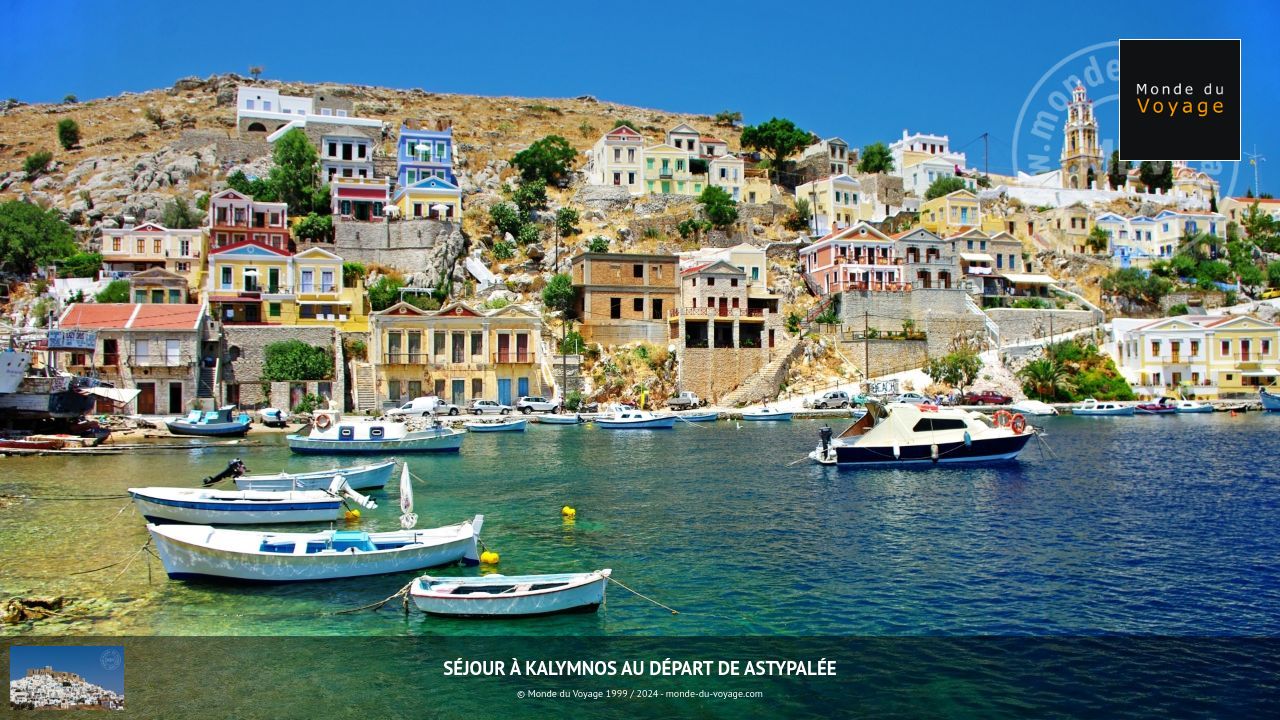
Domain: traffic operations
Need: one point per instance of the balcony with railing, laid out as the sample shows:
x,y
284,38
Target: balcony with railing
x,y
1249,359
162,358
513,357
404,358
718,312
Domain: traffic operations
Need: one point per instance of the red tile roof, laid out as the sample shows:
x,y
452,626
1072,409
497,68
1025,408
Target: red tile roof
x,y
131,316
1264,201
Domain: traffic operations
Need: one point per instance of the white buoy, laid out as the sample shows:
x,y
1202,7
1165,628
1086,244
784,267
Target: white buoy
x,y
897,451
933,450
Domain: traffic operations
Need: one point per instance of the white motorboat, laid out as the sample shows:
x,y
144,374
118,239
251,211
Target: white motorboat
x,y
553,419
1091,407
1033,407
202,552
330,434
487,426
623,418
510,595
359,477
767,413
1192,406
205,506
909,434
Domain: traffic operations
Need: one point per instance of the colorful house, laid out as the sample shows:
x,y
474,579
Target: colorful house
x,y
833,203
150,245
236,218
1236,208
252,284
458,353
245,275
423,154
434,198
913,148
624,297
345,153
668,171
1200,355
727,171
950,214
617,159
857,258
159,286
360,199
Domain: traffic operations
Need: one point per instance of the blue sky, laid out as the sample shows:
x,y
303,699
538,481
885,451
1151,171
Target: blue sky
x,y
861,71
83,660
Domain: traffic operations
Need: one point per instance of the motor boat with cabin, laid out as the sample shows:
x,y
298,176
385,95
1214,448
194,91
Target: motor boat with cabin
x,y
331,434
627,418
909,434
223,422
1091,408
1192,406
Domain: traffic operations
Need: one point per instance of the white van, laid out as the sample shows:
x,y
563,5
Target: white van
x,y
424,407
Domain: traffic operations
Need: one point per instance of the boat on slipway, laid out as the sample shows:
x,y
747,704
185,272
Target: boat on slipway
x,y
205,506
1034,407
202,552
332,435
1093,408
909,434
510,595
223,422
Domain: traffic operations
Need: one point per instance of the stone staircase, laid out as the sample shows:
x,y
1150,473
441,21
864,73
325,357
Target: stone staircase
x,y
365,393
208,382
763,385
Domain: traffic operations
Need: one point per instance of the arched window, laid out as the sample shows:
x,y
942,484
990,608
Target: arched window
x,y
257,127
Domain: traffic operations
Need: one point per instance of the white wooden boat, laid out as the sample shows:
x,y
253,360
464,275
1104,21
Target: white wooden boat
x,y
359,477
330,434
1270,401
552,419
635,420
510,595
484,426
700,416
202,552
909,434
1192,406
1092,407
1033,407
767,413
205,506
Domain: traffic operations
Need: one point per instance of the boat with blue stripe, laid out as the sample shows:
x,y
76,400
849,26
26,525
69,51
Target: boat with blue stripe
x,y
222,422
203,506
331,435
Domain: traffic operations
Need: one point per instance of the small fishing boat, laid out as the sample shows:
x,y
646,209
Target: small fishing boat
x,y
359,477
222,422
1270,401
1163,406
1192,406
486,426
561,419
204,506
510,595
700,416
767,413
202,552
1034,407
1091,407
909,434
274,417
330,434
624,419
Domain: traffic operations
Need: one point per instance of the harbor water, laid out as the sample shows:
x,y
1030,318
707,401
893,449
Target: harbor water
x,y
1160,526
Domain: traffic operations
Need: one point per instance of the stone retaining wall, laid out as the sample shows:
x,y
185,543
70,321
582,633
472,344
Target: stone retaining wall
x,y
886,356
1018,324
245,356
713,372
430,246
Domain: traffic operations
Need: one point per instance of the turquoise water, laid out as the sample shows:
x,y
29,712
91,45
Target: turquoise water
x,y
1145,525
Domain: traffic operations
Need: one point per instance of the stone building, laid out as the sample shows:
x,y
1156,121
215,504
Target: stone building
x,y
244,356
622,297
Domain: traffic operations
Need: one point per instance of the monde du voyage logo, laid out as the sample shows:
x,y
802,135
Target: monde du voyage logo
x,y
1180,99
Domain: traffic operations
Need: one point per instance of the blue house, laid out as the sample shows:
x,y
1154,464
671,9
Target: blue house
x,y
423,154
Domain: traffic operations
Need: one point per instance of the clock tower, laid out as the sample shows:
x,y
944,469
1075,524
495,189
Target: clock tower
x,y
1082,162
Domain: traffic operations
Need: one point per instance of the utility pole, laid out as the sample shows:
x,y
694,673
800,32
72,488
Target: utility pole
x,y
866,344
986,155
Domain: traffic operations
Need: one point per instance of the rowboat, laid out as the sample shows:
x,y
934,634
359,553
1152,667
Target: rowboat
x,y
204,506
482,426
332,435
909,434
767,413
1270,401
700,416
359,477
510,595
202,552
273,417
1092,407
214,423
561,419
636,420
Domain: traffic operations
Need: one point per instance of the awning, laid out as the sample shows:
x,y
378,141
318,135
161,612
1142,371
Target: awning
x,y
1029,278
232,299
119,395
439,207
324,302
1269,372
976,257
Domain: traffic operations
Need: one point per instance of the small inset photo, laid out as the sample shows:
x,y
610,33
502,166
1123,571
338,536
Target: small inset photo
x,y
66,677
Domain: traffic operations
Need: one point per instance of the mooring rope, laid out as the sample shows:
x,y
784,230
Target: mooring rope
x,y
63,497
646,597
104,567
402,592
690,422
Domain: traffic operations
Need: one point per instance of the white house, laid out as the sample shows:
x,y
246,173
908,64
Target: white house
x,y
727,171
617,158
833,201
914,147
918,177
834,150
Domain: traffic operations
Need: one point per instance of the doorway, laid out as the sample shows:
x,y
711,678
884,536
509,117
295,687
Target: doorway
x,y
146,398
175,398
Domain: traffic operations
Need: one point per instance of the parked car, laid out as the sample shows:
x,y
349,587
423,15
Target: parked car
x,y
833,399
985,397
685,400
1271,294
529,404
914,398
483,407
425,406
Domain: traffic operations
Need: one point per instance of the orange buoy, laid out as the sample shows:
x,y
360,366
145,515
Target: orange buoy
x,y
1018,424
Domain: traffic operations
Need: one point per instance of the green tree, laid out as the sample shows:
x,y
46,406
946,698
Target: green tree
x,y
799,218
506,218
314,228
719,206
1156,175
352,273
70,99
36,163
1176,310
942,186
586,129
31,237
179,215
728,118
290,360
778,138
875,158
1273,273
958,368
255,71
116,291
1046,379
598,244
547,159
502,250
692,228
68,133
294,175
1117,171
202,202
626,123
154,115
529,196
567,222
384,292
259,189
1261,229
558,294
529,233
80,265
1136,285
1098,239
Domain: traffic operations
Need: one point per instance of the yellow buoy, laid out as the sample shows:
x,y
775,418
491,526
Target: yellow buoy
x,y
489,557
352,515
568,512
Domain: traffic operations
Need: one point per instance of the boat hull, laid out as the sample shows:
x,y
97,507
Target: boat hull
x,y
700,417
215,512
1270,401
1112,412
1164,410
777,417
184,560
584,598
988,450
436,443
561,420
234,429
363,477
662,423
512,426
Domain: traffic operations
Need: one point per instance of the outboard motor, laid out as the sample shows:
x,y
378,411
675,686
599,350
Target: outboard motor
x,y
234,469
824,436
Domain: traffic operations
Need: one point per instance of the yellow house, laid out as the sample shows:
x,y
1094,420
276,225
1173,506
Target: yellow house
x,y
319,296
833,203
1201,355
458,353
253,283
434,198
151,245
951,214
667,172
